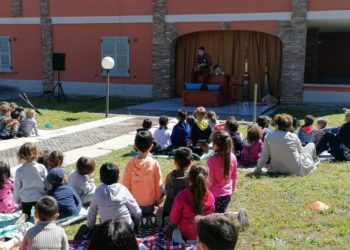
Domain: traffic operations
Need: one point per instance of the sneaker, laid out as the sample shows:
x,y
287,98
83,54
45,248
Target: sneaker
x,y
243,218
22,219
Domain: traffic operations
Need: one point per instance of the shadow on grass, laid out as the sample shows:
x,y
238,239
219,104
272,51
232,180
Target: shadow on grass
x,y
71,119
77,105
270,175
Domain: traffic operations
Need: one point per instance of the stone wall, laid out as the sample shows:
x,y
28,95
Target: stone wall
x,y
16,8
293,36
312,53
46,46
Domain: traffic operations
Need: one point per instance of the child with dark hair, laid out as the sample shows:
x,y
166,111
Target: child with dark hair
x,y
112,200
44,158
232,128
201,131
55,159
191,120
307,132
181,131
68,200
113,235
29,179
252,146
5,114
146,125
162,134
82,180
295,125
7,202
192,201
176,180
45,234
143,171
264,123
222,170
216,231
11,129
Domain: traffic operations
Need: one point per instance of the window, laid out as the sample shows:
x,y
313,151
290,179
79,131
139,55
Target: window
x,y
118,49
5,54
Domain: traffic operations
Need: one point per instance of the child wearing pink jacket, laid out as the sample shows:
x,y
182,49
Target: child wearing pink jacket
x,y
252,147
222,170
7,202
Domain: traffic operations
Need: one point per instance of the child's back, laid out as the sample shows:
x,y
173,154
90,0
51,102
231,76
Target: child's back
x,y
180,134
28,127
144,180
162,137
7,203
251,152
29,182
113,202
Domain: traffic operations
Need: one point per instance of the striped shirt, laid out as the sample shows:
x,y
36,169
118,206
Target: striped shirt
x,y
45,235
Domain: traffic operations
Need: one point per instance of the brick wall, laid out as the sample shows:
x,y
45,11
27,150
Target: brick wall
x,y
312,51
293,35
46,46
16,8
163,52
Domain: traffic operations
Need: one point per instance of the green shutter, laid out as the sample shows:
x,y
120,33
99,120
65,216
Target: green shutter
x,y
5,54
118,49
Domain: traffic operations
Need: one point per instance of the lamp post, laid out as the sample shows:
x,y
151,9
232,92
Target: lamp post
x,y
107,64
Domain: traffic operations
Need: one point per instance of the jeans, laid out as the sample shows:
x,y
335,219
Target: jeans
x,y
331,143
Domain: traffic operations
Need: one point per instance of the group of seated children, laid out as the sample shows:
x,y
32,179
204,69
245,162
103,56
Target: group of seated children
x,y
13,124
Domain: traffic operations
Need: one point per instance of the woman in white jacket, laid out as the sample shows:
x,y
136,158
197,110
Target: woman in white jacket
x,y
286,152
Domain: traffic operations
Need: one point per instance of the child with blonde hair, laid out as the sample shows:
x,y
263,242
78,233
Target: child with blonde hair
x,y
201,131
29,179
29,126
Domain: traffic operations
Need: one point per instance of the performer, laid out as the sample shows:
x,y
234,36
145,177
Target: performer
x,y
202,67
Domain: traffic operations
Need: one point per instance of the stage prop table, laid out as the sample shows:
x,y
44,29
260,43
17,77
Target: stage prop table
x,y
212,98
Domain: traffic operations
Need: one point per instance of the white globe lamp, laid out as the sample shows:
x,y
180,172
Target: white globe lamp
x,y
107,64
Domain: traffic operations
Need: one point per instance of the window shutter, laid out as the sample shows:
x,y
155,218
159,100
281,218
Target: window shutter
x,y
5,54
118,49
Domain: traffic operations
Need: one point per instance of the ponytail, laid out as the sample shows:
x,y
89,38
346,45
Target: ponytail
x,y
225,148
198,186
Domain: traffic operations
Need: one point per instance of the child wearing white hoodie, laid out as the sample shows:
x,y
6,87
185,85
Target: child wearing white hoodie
x,y
112,200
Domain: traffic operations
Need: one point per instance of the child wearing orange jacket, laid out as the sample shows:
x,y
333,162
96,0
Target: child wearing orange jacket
x,y
142,175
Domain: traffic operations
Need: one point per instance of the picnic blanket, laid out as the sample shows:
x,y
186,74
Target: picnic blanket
x,y
11,231
155,242
74,218
9,219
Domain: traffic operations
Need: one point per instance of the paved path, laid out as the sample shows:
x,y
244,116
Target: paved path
x,y
80,139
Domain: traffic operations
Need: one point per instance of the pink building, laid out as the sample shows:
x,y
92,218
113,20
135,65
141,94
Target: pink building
x,y
303,44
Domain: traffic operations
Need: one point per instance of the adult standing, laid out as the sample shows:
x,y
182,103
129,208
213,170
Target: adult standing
x,y
202,67
285,150
337,144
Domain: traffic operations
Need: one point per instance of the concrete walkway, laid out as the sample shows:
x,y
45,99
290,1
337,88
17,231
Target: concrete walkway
x,y
91,139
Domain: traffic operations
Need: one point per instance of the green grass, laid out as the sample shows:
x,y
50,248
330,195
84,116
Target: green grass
x,y
279,207
73,112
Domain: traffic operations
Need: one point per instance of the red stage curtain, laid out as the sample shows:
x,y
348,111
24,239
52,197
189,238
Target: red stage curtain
x,y
231,49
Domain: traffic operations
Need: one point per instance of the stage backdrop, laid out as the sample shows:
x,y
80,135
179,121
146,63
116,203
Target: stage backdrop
x,y
230,50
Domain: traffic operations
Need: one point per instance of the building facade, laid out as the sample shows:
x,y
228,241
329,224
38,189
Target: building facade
x,y
143,36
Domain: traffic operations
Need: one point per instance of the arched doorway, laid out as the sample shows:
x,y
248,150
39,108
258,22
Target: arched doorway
x,y
231,50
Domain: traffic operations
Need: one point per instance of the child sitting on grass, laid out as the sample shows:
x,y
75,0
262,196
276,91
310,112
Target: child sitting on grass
x,y
264,123
29,179
146,125
112,200
212,119
55,159
252,146
216,231
45,234
232,128
114,235
7,202
201,131
162,134
29,126
176,180
307,132
142,175
192,201
222,170
321,125
68,201
82,180
180,135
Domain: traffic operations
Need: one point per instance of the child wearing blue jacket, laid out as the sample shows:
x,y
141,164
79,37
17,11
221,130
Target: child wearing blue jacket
x,y
180,135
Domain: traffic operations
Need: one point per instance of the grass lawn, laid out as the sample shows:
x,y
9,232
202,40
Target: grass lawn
x,y
73,112
279,207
